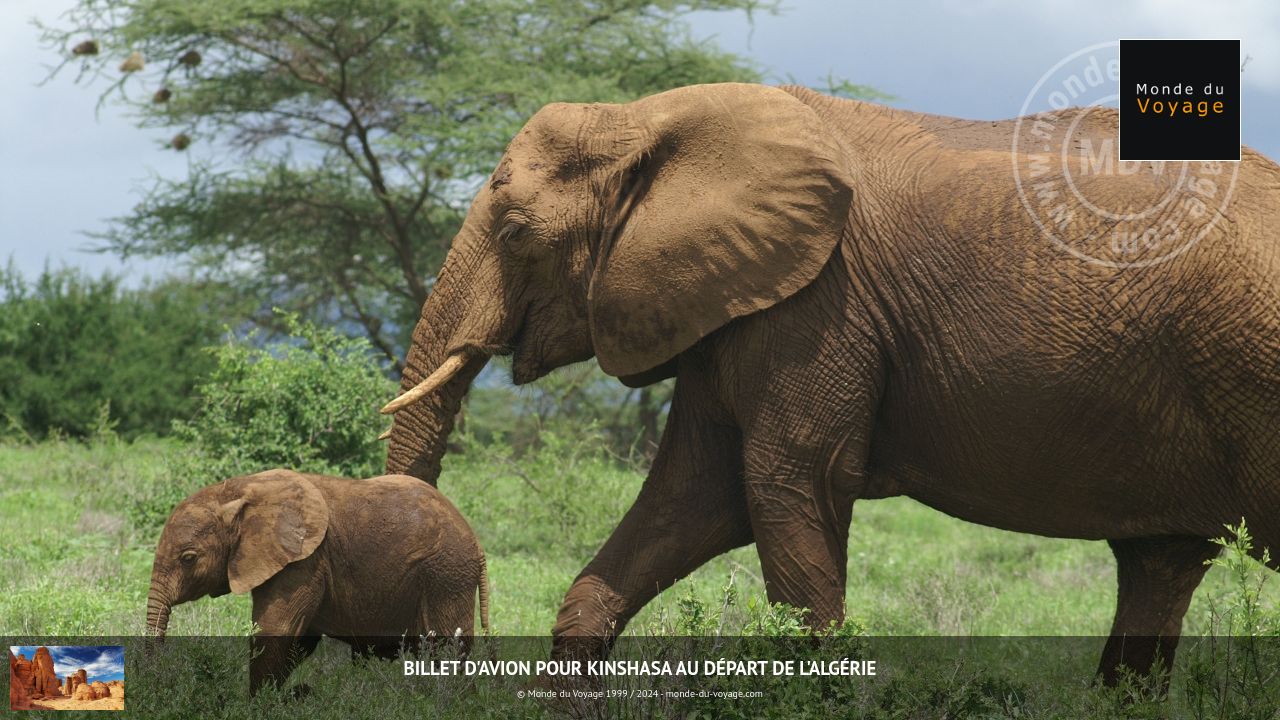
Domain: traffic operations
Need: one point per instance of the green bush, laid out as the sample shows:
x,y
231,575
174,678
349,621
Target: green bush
x,y
71,345
309,403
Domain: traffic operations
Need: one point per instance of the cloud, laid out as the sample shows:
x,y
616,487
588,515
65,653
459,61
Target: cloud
x,y
1255,22
100,662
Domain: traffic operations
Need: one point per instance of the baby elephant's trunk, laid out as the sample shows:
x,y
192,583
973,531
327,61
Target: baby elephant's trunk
x,y
157,614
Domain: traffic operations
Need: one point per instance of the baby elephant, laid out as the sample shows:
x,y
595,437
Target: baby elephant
x,y
364,561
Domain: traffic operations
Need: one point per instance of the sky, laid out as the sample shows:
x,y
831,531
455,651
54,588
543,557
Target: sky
x,y
63,172
101,663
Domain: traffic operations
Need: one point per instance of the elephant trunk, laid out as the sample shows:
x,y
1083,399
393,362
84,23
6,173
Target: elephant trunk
x,y
158,608
451,344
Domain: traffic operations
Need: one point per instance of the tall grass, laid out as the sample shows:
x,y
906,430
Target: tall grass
x,y
75,560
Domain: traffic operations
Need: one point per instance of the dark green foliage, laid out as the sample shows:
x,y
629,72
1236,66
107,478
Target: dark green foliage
x,y
73,346
187,678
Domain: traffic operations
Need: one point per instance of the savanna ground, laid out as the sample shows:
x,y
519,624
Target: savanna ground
x,y
78,524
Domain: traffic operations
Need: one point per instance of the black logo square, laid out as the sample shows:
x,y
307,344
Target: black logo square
x,y
1179,99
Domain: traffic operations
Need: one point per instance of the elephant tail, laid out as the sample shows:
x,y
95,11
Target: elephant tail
x,y
483,592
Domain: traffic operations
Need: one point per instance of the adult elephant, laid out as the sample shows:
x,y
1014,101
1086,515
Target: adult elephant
x,y
855,304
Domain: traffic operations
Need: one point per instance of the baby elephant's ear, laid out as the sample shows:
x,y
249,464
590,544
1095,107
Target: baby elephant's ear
x,y
276,517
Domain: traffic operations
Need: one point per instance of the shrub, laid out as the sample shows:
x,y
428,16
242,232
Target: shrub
x,y
309,403
71,345
1232,669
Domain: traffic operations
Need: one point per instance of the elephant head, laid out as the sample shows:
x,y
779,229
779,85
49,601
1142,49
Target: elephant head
x,y
627,232
232,537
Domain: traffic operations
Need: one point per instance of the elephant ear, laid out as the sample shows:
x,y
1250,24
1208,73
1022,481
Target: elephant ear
x,y
276,517
733,201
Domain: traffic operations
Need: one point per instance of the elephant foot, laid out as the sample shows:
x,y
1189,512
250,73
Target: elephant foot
x,y
571,655
581,648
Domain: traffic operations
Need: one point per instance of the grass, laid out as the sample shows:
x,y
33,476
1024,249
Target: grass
x,y
77,532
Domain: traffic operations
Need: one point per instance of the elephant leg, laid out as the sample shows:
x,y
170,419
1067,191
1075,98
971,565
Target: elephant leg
x,y
801,529
1156,578
276,657
690,509
283,609
365,646
804,468
388,651
451,614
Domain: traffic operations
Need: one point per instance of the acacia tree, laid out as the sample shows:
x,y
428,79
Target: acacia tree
x,y
336,142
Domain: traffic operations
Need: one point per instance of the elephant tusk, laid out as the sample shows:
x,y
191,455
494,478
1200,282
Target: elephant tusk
x,y
386,433
447,370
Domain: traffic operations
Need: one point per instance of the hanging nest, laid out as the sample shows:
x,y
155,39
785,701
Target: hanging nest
x,y
88,47
180,142
133,63
162,96
190,58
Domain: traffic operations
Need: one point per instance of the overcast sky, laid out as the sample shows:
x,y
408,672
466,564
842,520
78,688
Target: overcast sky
x,y
63,172
101,663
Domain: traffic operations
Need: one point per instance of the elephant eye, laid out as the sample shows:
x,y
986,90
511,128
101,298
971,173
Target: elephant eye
x,y
188,557
509,233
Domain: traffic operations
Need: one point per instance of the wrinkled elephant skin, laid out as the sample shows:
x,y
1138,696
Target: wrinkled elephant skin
x,y
855,304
